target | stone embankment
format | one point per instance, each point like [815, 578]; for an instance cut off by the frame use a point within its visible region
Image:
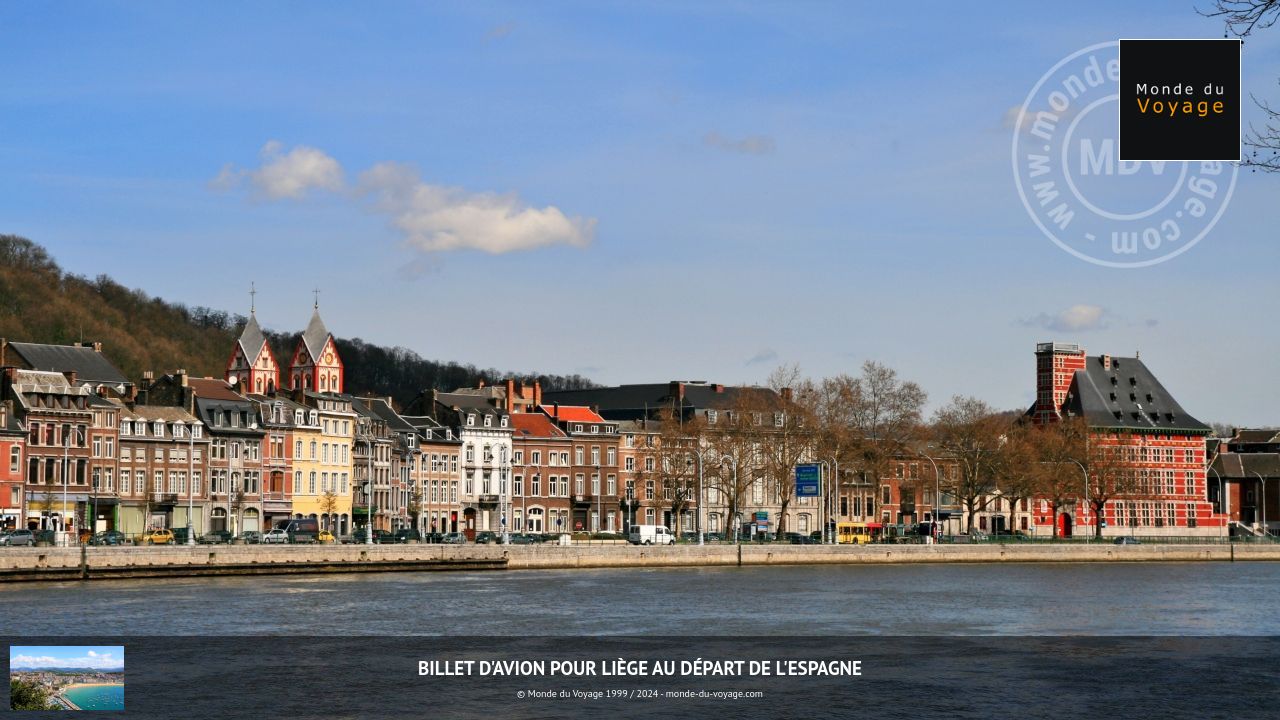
[130, 562]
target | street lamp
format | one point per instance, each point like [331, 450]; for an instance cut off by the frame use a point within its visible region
[1222, 497]
[1263, 482]
[66, 447]
[191, 479]
[368, 512]
[937, 496]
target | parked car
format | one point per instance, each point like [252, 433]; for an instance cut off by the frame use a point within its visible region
[407, 535]
[278, 536]
[453, 539]
[525, 539]
[487, 537]
[379, 536]
[18, 537]
[108, 537]
[216, 537]
[433, 538]
[250, 537]
[161, 536]
[1128, 540]
[325, 537]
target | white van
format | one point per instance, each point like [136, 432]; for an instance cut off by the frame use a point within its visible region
[651, 535]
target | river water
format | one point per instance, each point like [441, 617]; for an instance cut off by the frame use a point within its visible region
[930, 600]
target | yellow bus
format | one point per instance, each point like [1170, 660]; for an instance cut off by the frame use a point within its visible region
[859, 533]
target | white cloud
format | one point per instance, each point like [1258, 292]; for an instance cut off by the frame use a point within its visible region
[749, 145]
[500, 31]
[432, 218]
[767, 355]
[285, 175]
[435, 218]
[1077, 318]
[90, 660]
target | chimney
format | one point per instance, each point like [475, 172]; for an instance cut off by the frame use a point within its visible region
[71, 376]
[182, 377]
[676, 390]
[718, 388]
[511, 394]
[97, 347]
[555, 411]
[1106, 362]
[786, 394]
[537, 392]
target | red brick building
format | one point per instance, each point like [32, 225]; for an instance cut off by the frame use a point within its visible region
[540, 453]
[1159, 443]
[594, 490]
[12, 442]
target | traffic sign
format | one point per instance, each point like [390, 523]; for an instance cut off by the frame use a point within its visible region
[808, 480]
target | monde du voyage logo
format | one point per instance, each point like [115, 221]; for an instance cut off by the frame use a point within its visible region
[1124, 153]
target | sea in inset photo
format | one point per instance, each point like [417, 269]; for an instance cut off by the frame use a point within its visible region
[66, 677]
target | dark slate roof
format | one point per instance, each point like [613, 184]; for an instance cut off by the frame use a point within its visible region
[1250, 436]
[1126, 396]
[315, 336]
[473, 403]
[252, 339]
[627, 402]
[381, 410]
[1242, 466]
[89, 365]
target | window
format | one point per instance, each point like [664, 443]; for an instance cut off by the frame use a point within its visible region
[611, 456]
[535, 485]
[629, 463]
[311, 484]
[578, 456]
[579, 484]
[15, 460]
[488, 420]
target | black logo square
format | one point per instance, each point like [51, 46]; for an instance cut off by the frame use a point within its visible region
[1180, 100]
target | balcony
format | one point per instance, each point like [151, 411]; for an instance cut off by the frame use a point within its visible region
[487, 499]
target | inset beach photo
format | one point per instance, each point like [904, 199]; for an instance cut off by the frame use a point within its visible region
[66, 677]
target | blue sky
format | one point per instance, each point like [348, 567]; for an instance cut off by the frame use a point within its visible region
[31, 657]
[651, 191]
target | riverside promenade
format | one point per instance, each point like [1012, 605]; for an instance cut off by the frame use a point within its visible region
[91, 563]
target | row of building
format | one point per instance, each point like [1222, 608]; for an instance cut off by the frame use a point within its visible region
[85, 448]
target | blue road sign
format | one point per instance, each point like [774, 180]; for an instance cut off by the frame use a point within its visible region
[808, 480]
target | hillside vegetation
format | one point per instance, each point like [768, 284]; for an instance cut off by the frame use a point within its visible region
[41, 303]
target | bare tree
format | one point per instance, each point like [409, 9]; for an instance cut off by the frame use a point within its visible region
[1241, 18]
[734, 457]
[971, 434]
[1111, 475]
[328, 505]
[1015, 471]
[786, 435]
[881, 417]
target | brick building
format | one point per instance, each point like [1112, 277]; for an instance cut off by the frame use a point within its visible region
[1162, 447]
[12, 442]
[540, 453]
[594, 493]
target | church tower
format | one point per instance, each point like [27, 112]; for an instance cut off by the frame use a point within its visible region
[316, 365]
[253, 367]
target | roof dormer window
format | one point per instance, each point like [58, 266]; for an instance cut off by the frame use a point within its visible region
[471, 419]
[488, 420]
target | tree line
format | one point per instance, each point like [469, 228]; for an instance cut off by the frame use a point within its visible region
[867, 425]
[41, 303]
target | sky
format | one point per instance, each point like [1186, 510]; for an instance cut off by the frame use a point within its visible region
[633, 192]
[34, 657]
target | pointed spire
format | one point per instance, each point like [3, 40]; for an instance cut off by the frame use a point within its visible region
[316, 335]
[316, 293]
[253, 292]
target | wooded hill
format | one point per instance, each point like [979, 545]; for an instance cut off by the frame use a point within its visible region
[41, 303]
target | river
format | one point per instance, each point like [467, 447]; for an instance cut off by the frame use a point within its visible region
[929, 600]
